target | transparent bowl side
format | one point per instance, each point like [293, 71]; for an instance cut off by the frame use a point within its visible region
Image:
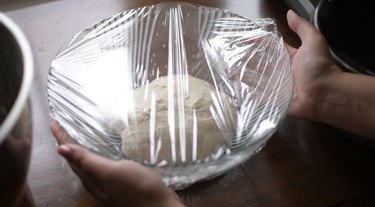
[93, 78]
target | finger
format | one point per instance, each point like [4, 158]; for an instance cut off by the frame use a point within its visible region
[98, 166]
[86, 165]
[304, 29]
[60, 134]
[81, 159]
[84, 159]
[65, 151]
[74, 153]
[98, 173]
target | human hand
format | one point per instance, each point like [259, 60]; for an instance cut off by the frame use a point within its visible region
[324, 92]
[313, 67]
[114, 183]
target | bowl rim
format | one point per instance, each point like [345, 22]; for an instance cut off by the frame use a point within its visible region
[28, 67]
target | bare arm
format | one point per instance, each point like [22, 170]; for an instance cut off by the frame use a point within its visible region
[348, 102]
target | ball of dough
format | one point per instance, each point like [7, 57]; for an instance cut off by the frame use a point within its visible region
[177, 118]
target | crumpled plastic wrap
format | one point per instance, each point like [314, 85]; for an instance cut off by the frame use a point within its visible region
[188, 90]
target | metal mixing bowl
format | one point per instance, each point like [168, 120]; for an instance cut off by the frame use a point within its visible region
[16, 71]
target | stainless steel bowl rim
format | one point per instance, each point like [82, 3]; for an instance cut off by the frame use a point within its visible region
[27, 78]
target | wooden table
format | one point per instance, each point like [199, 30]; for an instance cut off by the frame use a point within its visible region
[304, 163]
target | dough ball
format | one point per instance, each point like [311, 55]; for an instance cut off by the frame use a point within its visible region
[173, 121]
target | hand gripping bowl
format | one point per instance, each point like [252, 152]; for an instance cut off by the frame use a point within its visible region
[188, 90]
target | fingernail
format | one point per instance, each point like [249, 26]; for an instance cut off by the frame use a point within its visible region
[65, 151]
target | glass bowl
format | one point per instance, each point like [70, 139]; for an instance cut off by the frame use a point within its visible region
[188, 90]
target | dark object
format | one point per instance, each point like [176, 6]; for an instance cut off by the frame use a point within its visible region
[16, 69]
[348, 26]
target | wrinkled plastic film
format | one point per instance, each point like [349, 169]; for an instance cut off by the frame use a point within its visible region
[189, 90]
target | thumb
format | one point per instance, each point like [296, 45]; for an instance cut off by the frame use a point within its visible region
[304, 29]
[313, 41]
[88, 166]
[84, 160]
[77, 155]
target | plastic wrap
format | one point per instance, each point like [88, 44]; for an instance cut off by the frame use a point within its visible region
[188, 90]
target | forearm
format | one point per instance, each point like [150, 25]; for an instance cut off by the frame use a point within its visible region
[347, 101]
